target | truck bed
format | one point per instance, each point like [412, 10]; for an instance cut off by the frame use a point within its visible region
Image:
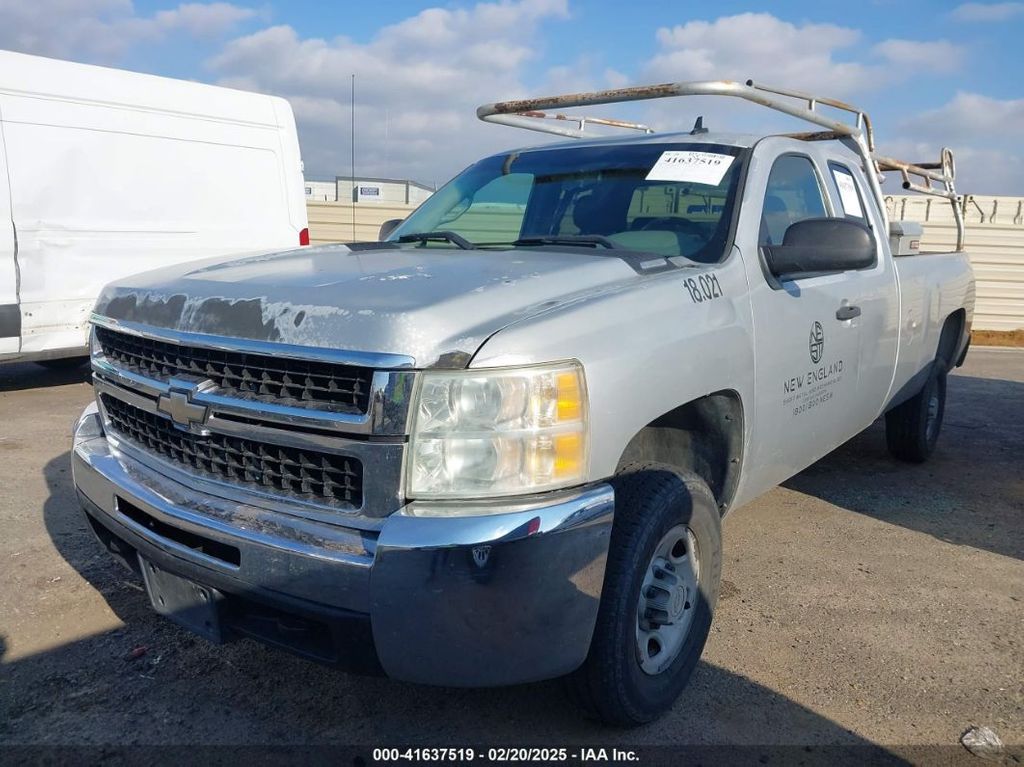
[932, 287]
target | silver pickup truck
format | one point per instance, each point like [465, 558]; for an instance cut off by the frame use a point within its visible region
[497, 445]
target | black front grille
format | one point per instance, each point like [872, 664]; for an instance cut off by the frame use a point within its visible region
[253, 377]
[309, 474]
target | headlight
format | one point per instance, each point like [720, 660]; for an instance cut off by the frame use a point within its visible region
[95, 350]
[485, 433]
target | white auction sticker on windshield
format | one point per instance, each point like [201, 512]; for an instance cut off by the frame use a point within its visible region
[696, 167]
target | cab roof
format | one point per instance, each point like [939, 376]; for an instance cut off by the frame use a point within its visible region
[742, 140]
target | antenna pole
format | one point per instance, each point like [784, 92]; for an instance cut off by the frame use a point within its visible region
[355, 196]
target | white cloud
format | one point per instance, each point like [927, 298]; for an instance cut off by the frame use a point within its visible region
[984, 134]
[103, 30]
[988, 171]
[762, 47]
[823, 59]
[922, 56]
[202, 19]
[970, 117]
[979, 170]
[418, 84]
[991, 12]
[820, 58]
[420, 80]
[832, 60]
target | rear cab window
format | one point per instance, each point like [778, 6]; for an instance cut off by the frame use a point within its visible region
[850, 202]
[849, 198]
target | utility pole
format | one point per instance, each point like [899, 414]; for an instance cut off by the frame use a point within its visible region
[355, 195]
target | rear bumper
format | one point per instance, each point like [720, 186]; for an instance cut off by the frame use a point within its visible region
[488, 599]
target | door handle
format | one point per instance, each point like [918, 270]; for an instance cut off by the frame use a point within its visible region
[847, 312]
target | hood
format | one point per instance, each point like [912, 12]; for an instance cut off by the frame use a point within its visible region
[435, 305]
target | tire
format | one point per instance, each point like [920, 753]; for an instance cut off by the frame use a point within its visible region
[912, 428]
[63, 363]
[652, 503]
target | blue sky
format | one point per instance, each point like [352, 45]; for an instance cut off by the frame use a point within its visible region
[930, 73]
[596, 29]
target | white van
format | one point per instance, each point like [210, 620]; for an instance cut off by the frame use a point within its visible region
[104, 173]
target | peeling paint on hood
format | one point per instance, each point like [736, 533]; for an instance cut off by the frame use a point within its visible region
[435, 305]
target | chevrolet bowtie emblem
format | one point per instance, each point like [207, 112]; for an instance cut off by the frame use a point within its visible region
[179, 405]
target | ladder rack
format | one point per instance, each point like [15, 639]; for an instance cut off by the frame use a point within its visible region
[531, 114]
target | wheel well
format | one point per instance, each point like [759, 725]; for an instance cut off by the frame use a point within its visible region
[704, 436]
[950, 338]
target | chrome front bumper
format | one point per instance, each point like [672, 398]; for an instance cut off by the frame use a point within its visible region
[469, 599]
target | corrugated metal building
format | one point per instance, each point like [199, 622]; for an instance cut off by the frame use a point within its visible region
[344, 222]
[995, 244]
[321, 191]
[390, 191]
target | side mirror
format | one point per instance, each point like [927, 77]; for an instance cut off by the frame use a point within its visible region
[819, 245]
[388, 227]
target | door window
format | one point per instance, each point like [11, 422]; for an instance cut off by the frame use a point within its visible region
[793, 194]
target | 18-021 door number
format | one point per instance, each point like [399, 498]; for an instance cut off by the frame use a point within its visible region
[704, 288]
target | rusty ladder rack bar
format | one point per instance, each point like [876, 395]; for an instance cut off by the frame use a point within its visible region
[531, 115]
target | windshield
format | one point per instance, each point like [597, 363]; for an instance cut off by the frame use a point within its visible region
[664, 199]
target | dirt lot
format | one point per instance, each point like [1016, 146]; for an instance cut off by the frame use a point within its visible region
[865, 602]
[997, 337]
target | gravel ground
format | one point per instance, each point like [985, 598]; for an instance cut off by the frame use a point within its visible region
[865, 602]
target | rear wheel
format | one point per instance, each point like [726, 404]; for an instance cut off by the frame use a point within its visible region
[661, 586]
[912, 428]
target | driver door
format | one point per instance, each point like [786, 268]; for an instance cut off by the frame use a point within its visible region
[806, 357]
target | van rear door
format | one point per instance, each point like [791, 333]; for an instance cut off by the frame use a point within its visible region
[10, 312]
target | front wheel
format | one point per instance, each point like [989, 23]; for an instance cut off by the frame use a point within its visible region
[661, 586]
[912, 428]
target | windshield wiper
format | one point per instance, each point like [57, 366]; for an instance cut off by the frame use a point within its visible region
[585, 240]
[455, 239]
